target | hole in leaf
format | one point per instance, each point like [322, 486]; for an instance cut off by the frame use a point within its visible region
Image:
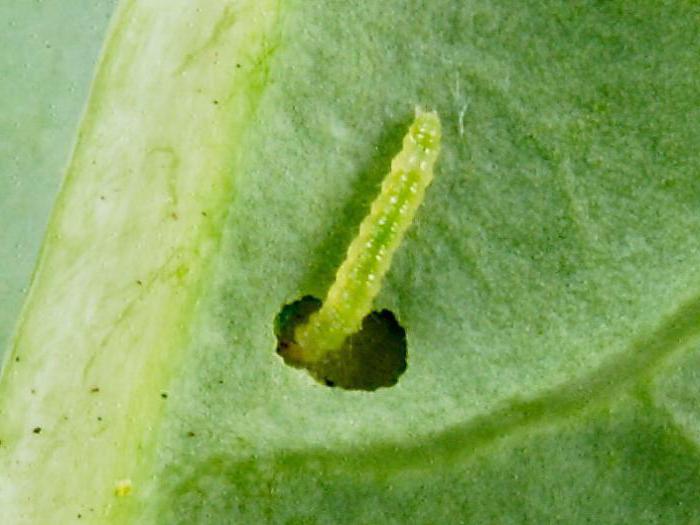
[372, 358]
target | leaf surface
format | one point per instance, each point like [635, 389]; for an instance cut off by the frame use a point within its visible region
[548, 287]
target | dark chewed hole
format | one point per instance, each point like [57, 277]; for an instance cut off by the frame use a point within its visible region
[372, 358]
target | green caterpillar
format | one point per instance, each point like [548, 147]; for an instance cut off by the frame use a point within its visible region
[359, 277]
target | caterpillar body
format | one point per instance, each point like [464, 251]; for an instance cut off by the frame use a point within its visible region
[358, 280]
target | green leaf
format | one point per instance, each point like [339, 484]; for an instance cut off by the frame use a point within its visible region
[548, 286]
[49, 52]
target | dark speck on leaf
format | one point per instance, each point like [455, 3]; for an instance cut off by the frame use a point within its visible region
[37, 430]
[164, 395]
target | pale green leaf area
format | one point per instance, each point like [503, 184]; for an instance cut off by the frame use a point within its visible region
[48, 50]
[549, 286]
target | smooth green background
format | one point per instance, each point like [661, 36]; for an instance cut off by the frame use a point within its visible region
[549, 288]
[48, 49]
